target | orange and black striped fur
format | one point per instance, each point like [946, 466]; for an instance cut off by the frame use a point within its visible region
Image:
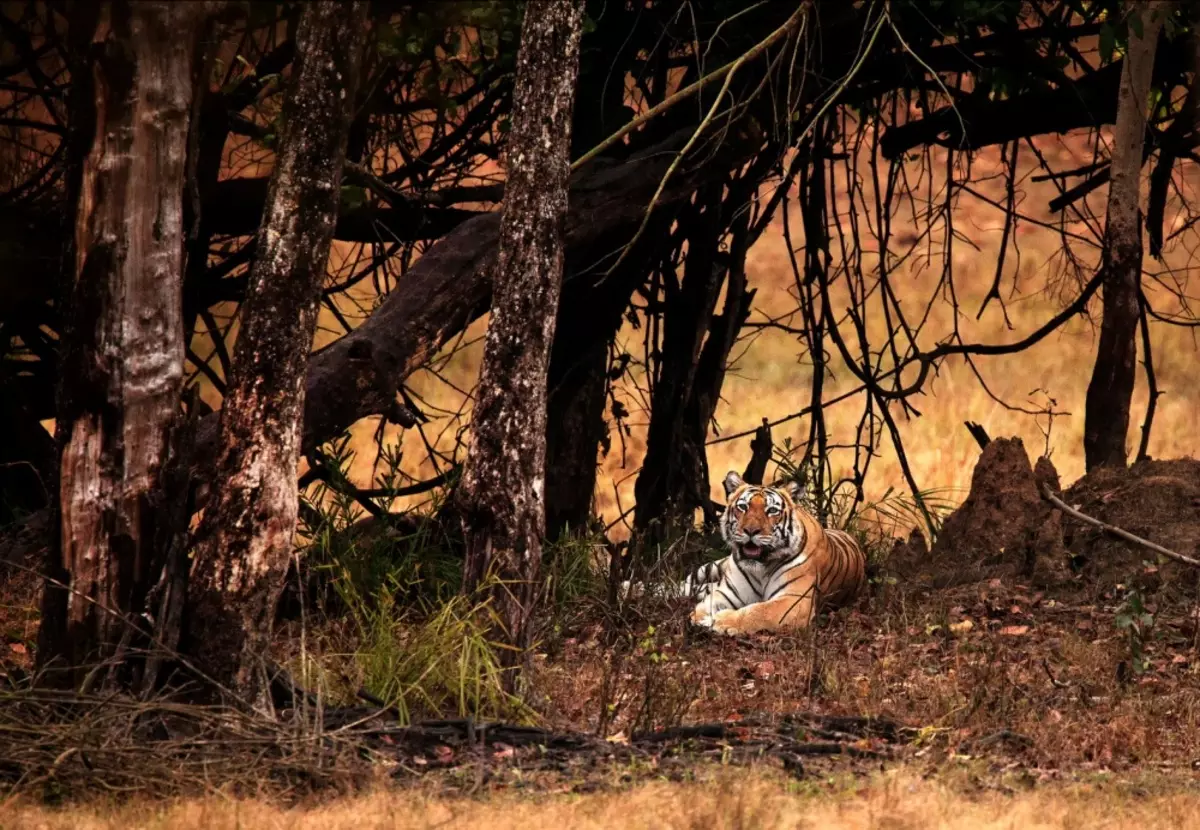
[783, 567]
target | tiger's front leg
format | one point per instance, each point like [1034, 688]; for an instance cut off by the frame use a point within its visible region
[786, 613]
[707, 609]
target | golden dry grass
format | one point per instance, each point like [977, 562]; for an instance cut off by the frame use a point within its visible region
[753, 798]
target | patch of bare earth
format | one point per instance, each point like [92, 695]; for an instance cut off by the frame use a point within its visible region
[999, 655]
[1003, 642]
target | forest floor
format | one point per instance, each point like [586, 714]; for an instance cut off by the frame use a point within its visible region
[958, 694]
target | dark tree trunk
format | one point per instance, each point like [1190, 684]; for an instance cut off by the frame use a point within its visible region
[122, 361]
[503, 488]
[761, 448]
[666, 490]
[1106, 415]
[673, 482]
[574, 430]
[723, 330]
[246, 540]
[590, 315]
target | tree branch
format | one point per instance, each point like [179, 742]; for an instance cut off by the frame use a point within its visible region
[1116, 531]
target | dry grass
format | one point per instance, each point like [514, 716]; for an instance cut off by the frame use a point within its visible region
[752, 798]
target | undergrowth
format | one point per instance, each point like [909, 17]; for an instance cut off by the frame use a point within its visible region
[405, 638]
[431, 659]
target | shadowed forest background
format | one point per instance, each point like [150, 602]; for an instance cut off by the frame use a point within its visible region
[855, 246]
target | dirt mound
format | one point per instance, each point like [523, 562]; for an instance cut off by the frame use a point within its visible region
[1004, 524]
[1157, 500]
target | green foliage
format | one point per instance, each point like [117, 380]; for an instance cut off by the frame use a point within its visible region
[433, 659]
[1137, 622]
[411, 554]
[574, 569]
[352, 197]
[453, 36]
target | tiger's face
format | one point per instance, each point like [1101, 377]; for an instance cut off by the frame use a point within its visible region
[760, 522]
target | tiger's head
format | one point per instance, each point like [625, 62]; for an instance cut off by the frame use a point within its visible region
[760, 522]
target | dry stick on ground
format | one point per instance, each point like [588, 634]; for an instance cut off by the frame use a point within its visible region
[1116, 531]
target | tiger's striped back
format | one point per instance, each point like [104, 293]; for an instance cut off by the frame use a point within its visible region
[845, 573]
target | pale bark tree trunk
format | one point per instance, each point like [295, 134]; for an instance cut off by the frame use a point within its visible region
[122, 369]
[246, 539]
[1106, 414]
[502, 496]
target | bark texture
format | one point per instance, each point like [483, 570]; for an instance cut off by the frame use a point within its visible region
[1106, 415]
[502, 497]
[122, 365]
[246, 540]
[451, 284]
[695, 345]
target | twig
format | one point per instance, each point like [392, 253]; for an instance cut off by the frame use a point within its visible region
[978, 433]
[690, 90]
[1054, 680]
[1151, 383]
[1116, 531]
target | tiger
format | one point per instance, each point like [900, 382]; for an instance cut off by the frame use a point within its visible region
[783, 566]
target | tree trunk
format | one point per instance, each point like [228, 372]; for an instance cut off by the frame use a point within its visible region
[696, 342]
[1106, 415]
[246, 539]
[590, 314]
[574, 429]
[503, 488]
[122, 363]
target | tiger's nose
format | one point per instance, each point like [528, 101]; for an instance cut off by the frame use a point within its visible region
[752, 531]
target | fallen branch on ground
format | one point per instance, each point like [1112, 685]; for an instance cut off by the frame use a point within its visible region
[1116, 531]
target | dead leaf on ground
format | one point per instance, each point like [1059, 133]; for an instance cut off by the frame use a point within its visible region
[1014, 630]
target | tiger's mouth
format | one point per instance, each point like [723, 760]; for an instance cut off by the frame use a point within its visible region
[751, 550]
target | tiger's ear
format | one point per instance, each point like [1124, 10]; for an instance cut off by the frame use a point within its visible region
[732, 482]
[795, 490]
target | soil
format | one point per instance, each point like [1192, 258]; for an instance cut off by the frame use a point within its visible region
[1157, 500]
[1024, 640]
[1004, 525]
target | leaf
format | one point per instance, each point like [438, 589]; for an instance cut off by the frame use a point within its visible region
[1135, 23]
[1108, 40]
[353, 196]
[960, 628]
[1014, 630]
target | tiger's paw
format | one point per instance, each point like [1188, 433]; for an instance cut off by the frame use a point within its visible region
[726, 622]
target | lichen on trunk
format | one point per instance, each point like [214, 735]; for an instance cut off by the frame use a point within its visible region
[122, 363]
[245, 541]
[502, 497]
